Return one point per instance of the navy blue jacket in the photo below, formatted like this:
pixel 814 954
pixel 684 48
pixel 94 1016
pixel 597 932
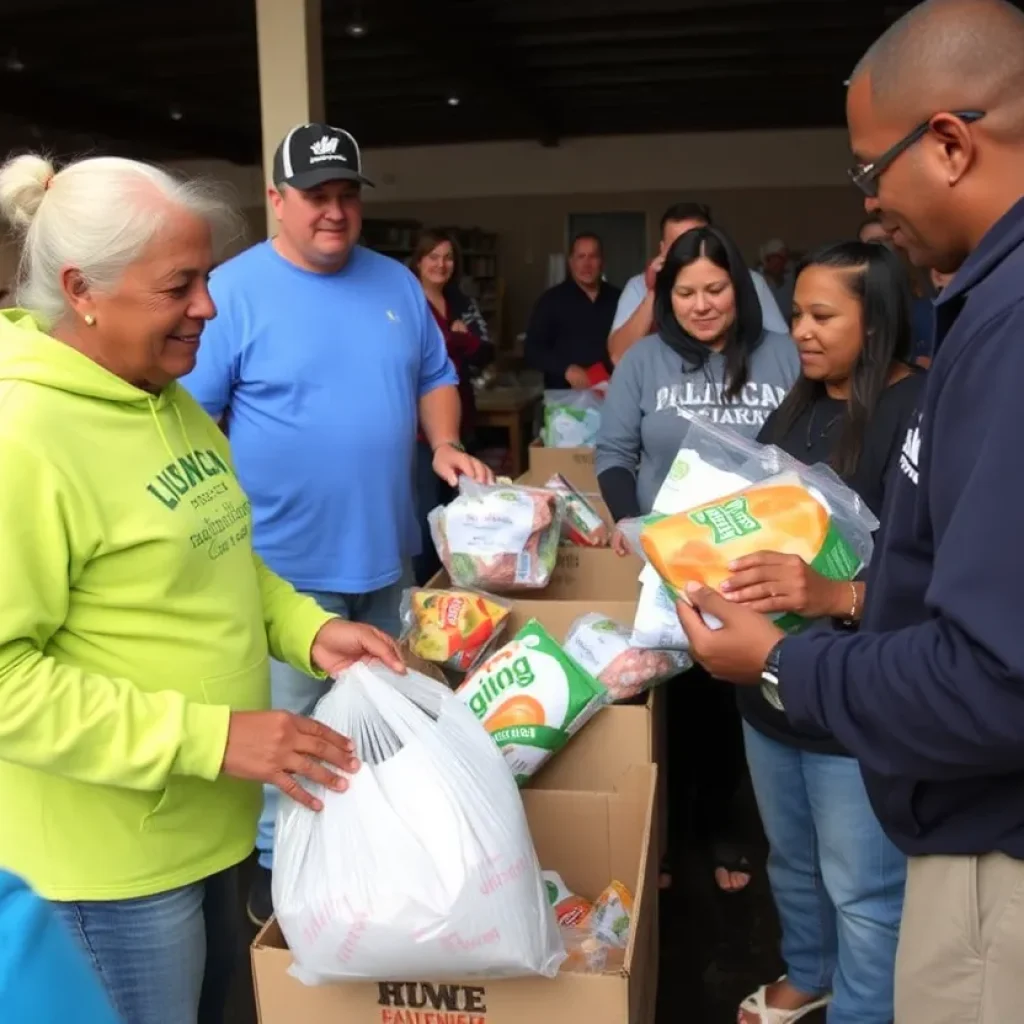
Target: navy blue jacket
pixel 929 695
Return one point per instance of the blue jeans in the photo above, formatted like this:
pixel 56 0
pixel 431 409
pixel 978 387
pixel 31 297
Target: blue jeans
pixel 837 879
pixel 294 691
pixel 164 959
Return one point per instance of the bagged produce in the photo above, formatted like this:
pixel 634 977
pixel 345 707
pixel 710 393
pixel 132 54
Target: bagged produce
pixel 532 698
pixel 612 915
pixel 582 525
pixel 605 649
pixel 500 537
pixel 571 419
pixel 424 866
pixel 454 628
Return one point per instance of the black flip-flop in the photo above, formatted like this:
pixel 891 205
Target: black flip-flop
pixel 731 858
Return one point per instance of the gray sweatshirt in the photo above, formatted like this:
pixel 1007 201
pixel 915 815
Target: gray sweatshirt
pixel 642 422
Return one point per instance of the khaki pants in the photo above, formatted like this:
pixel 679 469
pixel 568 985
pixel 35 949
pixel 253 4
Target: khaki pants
pixel 961 948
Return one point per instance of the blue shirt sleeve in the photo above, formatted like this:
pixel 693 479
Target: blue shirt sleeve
pixel 629 301
pixel 436 369
pixel 773 319
pixel 44 975
pixel 212 381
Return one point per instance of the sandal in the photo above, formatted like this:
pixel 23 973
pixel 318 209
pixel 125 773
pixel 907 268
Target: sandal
pixel 729 857
pixel 757 1003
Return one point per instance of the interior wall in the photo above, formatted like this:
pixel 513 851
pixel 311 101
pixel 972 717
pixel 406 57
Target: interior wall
pixel 530 228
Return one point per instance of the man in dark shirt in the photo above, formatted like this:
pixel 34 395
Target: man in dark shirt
pixel 568 331
pixel 929 695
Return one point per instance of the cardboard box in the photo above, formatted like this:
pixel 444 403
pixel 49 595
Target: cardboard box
pixel 575 464
pixel 580 574
pixel 590 839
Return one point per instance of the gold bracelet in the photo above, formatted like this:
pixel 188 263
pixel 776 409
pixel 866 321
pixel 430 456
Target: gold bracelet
pixel 853 608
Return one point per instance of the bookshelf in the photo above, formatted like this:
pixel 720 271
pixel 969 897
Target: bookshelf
pixel 477 248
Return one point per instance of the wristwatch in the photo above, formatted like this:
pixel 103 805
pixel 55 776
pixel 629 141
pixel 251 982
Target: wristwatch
pixel 770 677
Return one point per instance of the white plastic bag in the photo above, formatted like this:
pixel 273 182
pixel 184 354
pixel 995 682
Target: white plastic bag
pixel 572 419
pixel 424 866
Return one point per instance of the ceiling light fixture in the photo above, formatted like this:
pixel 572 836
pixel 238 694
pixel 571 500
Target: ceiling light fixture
pixel 176 114
pixel 453 101
pixel 14 63
pixel 356 29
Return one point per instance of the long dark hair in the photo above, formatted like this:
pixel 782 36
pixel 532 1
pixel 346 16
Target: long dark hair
pixel 714 244
pixel 878 278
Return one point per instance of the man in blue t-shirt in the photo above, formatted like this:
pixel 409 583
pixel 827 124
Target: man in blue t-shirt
pixel 321 361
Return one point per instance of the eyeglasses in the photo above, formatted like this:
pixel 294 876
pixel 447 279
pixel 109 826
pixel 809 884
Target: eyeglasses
pixel 865 176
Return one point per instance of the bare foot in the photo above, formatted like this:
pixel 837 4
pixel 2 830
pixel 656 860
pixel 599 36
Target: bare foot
pixel 731 881
pixel 780 995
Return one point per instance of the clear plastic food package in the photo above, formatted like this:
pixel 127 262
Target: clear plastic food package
pixel 501 537
pixel 582 526
pixel 605 649
pixel 453 628
pixel 572 419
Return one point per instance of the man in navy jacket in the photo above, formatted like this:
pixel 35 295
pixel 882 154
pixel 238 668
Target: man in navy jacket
pixel 929 694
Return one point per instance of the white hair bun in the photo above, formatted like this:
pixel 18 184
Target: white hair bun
pixel 23 183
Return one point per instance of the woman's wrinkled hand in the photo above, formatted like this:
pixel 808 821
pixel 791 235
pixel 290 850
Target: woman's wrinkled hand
pixel 278 748
pixel 340 644
pixel 770 582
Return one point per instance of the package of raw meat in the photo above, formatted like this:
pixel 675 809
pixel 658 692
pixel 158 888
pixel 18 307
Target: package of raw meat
pixel 500 537
pixel 605 649
pixel 582 525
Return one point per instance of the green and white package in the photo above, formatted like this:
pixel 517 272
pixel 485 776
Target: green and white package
pixel 571 419
pixel 532 698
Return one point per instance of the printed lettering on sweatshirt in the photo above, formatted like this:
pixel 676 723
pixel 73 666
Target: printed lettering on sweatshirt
pixel 203 483
pixel 751 407
pixel 911 451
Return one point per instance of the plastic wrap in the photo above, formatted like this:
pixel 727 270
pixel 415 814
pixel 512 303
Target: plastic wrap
pixel 501 537
pixel 424 866
pixel 572 419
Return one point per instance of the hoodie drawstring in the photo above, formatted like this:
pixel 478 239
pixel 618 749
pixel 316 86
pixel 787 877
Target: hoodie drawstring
pixel 160 430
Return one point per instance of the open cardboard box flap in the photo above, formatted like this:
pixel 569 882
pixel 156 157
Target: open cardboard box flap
pixel 590 839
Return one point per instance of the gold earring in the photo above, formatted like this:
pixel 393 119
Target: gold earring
pixel 90 320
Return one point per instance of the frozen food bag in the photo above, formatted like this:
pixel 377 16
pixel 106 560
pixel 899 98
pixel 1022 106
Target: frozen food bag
pixel 500 537
pixel 454 628
pixel 571 418
pixel 582 525
pixel 605 649
pixel 532 698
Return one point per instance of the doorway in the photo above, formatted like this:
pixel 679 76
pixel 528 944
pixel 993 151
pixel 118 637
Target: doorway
pixel 624 237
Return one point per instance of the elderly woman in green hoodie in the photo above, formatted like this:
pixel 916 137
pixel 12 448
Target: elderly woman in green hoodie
pixel 136 621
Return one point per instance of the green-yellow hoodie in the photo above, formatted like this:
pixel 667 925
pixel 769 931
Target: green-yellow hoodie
pixel 133 617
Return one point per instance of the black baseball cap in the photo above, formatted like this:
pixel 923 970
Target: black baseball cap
pixel 311 154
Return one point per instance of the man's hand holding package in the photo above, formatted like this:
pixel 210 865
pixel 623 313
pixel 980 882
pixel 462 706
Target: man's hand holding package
pixel 736 652
pixel 450 464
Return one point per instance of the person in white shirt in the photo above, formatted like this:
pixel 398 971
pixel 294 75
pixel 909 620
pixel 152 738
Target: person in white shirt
pixel 634 318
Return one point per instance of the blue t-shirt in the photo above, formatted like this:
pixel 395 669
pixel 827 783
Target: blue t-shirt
pixel 45 977
pixel 320 376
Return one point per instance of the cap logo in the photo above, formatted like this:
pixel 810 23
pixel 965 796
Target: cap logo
pixel 326 148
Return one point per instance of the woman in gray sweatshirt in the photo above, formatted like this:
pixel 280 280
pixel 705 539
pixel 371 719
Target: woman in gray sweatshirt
pixel 710 356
